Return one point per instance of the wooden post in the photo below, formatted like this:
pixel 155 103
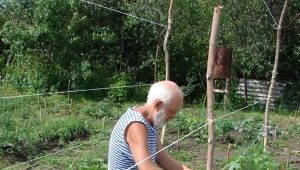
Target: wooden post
pixel 70 106
pixel 245 89
pixel 288 159
pixel 275 135
pixel 210 86
pixel 68 91
pixel 274 73
pixel 167 59
pixel 226 94
pixel 228 151
pixel 45 103
pixel 155 63
pixel 39 103
pixel 103 122
pixel 178 137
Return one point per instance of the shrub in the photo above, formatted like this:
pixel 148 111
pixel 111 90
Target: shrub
pixel 119 94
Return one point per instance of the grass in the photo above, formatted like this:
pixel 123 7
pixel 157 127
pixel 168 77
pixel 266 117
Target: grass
pixel 36 126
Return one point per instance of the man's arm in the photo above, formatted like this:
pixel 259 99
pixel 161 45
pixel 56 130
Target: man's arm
pixel 137 137
pixel 166 161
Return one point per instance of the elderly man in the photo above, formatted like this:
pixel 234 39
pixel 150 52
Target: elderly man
pixel 134 137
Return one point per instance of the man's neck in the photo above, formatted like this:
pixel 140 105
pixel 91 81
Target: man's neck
pixel 145 112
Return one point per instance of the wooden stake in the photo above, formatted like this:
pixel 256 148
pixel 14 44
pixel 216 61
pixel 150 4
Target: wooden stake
pixel 245 89
pixel 155 63
pixel 228 151
pixel 167 59
pixel 103 122
pixel 69 90
pixel 274 73
pixel 288 159
pixel 45 104
pixel 275 135
pixel 210 86
pixel 178 137
pixel 226 94
pixel 40 112
pixel 70 106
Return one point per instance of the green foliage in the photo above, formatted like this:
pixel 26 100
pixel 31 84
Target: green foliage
pixel 181 155
pixel 89 163
pixel 16 136
pixel 118 92
pixel 98 110
pixel 60 36
pixel 139 94
pixel 65 129
pixel 227 130
pixel 25 128
pixel 94 47
pixel 294 129
pixel 256 159
pixel 249 129
pixel 33 78
pixel 224 129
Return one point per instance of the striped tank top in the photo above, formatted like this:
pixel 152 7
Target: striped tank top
pixel 119 154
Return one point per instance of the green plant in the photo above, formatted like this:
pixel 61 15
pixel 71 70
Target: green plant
pixel 223 129
pixel 118 93
pixel 64 129
pixel 140 93
pixel 249 129
pixel 98 110
pixel 294 129
pixel 89 163
pixel 16 137
pixel 256 159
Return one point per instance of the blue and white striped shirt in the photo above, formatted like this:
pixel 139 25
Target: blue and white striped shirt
pixel 119 154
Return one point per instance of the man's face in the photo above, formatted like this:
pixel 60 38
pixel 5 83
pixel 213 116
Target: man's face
pixel 164 115
pixel 167 112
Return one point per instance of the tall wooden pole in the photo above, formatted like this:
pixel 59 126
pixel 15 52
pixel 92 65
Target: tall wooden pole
pixel 167 59
pixel 274 73
pixel 245 89
pixel 210 85
pixel 155 64
pixel 165 44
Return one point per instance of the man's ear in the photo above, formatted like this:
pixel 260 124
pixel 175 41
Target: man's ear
pixel 158 104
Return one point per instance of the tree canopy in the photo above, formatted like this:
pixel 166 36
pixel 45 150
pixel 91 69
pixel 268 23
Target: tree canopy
pixel 46 43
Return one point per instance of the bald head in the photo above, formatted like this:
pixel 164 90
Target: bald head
pixel 166 91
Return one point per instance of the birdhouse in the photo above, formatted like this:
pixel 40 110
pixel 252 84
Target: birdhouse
pixel 223 59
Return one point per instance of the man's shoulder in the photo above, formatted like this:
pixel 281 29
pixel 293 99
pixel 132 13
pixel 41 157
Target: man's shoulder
pixel 137 125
